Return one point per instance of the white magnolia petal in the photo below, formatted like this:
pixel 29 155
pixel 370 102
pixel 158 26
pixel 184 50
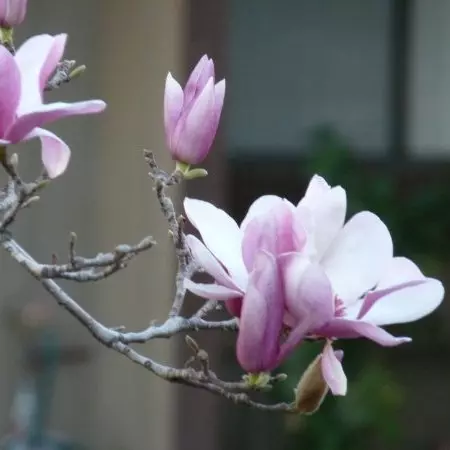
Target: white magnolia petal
pixel 221 235
pixel 207 261
pixel 358 256
pixel 328 208
pixel 407 305
pixel 399 270
pixel 211 291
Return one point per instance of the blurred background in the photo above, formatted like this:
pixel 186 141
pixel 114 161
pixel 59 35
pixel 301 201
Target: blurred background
pixel 358 92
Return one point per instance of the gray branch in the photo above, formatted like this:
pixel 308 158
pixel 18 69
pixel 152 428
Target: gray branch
pixel 162 181
pixel 65 72
pixel 87 269
pixel 119 341
pixel 18 194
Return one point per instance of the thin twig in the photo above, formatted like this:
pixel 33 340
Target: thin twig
pixel 8 196
pixel 65 72
pixel 162 181
pixel 113 261
pixel 117 341
pixel 209 306
pixel 175 325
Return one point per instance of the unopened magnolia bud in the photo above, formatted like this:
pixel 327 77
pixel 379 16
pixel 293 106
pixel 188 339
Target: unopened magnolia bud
pixel 191 116
pixel 311 389
pixel 12 12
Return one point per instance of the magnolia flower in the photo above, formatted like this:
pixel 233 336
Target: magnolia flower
pixel 229 259
pixel 12 12
pixel 22 111
pixel 258 343
pixel 367 287
pixel 339 280
pixel 261 345
pixel 191 117
pixel 254 283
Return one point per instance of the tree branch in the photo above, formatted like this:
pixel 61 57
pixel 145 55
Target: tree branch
pixel 119 341
pixel 17 194
pixel 162 181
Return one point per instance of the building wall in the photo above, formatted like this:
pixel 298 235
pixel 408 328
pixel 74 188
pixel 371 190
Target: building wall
pixel 429 92
pixel 107 198
pixel 295 65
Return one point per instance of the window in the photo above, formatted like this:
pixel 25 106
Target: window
pixel 295 65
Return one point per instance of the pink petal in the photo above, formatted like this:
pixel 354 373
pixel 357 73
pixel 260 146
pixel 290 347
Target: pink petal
pixel 407 304
pixel 12 12
pixel 350 329
pixel 173 105
pixel 198 78
pixel 205 75
pixel 9 90
pixel 54 57
pixel 221 235
pixel 211 291
pixel 332 371
pixel 309 298
pixel 45 114
pixel 206 260
pixel 261 317
pixel 271 232
pixel 358 256
pixel 260 206
pixel 195 132
pixel 309 294
pixel 328 207
pixel 55 152
pixel 37 59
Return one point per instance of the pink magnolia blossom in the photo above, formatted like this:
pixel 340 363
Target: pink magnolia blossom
pixel 340 280
pixel 224 253
pixel 191 117
pixel 248 276
pixel 258 343
pixel 368 287
pixel 12 12
pixel 22 111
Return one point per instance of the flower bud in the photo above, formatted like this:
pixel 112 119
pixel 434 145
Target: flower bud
pixel 12 12
pixel 311 389
pixel 191 117
pixel 313 386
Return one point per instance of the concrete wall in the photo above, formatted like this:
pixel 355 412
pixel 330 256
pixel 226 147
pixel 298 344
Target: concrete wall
pixel 106 197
